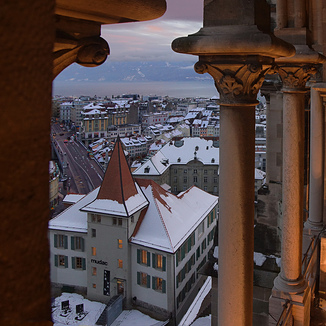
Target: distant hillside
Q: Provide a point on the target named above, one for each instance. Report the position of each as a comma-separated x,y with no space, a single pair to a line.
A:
148,71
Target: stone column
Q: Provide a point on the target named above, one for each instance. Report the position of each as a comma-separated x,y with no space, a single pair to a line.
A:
238,85
290,284
236,48
314,224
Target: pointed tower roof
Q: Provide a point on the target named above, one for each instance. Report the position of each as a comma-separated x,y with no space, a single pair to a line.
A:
119,194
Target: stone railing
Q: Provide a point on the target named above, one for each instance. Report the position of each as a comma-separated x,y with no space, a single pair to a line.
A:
286,318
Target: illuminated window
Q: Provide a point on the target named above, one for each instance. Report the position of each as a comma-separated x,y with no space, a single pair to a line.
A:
62,260
79,262
119,243
93,251
159,261
144,257
143,279
158,284
120,263
94,286
94,271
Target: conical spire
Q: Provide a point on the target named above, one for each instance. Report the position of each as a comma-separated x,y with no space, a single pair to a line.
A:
118,183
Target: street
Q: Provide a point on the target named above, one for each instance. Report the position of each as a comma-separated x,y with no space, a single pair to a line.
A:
83,173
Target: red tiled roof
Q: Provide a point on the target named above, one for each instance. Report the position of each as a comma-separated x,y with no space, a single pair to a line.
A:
118,183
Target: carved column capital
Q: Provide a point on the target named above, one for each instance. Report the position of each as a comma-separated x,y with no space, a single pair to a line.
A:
295,77
237,83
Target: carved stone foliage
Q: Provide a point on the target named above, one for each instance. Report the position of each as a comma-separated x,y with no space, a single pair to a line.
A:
87,51
237,84
295,77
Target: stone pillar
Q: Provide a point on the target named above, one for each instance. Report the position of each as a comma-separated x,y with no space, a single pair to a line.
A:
290,284
314,224
238,85
27,38
236,48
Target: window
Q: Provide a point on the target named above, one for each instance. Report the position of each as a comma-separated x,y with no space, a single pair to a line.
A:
96,218
215,189
143,279
120,263
63,261
132,219
93,251
203,245
195,171
61,243
205,171
143,257
215,171
158,284
185,180
119,243
94,271
79,262
205,179
175,188
201,228
114,221
205,188
215,180
159,261
93,233
94,286
185,171
120,221
77,243
175,179
195,178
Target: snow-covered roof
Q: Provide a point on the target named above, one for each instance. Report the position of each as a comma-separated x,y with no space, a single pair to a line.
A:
72,219
259,174
171,219
172,154
113,207
72,198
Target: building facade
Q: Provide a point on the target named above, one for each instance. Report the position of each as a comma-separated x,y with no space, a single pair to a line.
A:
156,246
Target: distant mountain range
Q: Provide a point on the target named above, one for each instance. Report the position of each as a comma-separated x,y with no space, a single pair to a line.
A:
131,71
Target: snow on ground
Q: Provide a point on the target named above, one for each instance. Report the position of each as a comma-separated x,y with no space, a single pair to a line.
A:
92,308
203,321
193,310
134,318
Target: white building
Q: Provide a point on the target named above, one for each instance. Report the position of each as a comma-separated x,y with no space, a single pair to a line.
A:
134,239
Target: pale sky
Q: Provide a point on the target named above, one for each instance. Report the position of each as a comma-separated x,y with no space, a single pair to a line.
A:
151,40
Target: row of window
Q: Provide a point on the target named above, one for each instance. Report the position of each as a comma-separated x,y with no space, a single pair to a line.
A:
76,262
195,179
158,261
185,248
186,289
158,284
61,241
195,171
185,270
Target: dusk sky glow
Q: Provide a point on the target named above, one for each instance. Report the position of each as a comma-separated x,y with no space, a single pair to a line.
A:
151,40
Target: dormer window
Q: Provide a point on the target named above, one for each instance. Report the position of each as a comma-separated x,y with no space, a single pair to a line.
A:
213,160
146,170
179,159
